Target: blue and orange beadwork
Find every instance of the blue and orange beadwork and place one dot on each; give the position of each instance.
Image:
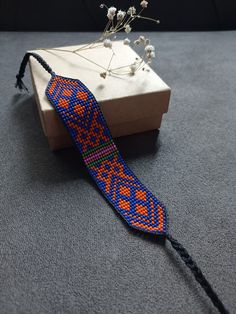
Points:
(83, 118)
(81, 114)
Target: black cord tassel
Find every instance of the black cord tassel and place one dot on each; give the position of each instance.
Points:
(19, 82)
(183, 253)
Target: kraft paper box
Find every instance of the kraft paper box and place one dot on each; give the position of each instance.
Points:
(130, 104)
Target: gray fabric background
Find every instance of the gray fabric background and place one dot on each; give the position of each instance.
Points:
(63, 249)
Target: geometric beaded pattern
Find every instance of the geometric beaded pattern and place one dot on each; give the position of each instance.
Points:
(82, 116)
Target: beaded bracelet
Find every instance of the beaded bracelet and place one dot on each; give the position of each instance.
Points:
(82, 116)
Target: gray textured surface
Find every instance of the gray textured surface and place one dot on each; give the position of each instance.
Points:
(62, 247)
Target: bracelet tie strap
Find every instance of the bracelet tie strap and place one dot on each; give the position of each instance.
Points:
(82, 116)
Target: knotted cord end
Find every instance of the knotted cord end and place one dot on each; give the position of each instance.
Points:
(20, 84)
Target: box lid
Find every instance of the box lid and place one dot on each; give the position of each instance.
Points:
(114, 87)
(131, 97)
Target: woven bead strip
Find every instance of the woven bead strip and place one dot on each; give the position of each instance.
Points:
(82, 116)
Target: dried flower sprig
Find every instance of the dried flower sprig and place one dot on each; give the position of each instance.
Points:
(120, 20)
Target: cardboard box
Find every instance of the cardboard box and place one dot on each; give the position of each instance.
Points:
(130, 104)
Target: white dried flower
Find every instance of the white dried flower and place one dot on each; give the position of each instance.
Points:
(149, 48)
(147, 41)
(152, 54)
(133, 68)
(120, 15)
(131, 11)
(111, 12)
(103, 75)
(126, 41)
(102, 5)
(144, 4)
(142, 39)
(128, 28)
(107, 43)
(137, 42)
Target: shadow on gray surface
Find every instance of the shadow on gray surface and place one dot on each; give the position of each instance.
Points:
(64, 165)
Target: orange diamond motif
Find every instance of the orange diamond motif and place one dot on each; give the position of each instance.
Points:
(67, 92)
(142, 210)
(123, 204)
(64, 103)
(141, 195)
(125, 191)
(82, 95)
(79, 109)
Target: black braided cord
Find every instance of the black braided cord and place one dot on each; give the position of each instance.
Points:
(20, 75)
(191, 264)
